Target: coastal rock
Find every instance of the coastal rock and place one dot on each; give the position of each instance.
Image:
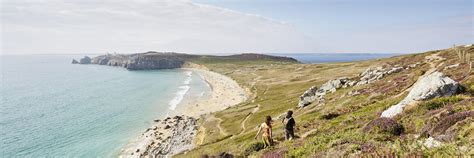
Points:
(174, 136)
(85, 60)
(429, 86)
(167, 60)
(74, 61)
(142, 61)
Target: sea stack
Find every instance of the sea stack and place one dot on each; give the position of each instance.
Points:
(85, 60)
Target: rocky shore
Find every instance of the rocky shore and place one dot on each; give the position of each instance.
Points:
(166, 137)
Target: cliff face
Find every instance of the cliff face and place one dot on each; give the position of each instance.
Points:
(157, 60)
(142, 61)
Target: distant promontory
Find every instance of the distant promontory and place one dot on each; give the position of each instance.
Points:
(165, 60)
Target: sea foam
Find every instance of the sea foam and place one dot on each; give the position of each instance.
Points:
(179, 97)
(181, 92)
(188, 79)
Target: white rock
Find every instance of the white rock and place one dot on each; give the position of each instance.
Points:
(395, 70)
(429, 86)
(432, 143)
(452, 66)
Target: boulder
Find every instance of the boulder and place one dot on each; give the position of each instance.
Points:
(307, 97)
(370, 75)
(376, 73)
(74, 61)
(315, 94)
(428, 87)
(332, 85)
(395, 70)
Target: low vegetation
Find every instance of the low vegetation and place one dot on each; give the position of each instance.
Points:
(345, 125)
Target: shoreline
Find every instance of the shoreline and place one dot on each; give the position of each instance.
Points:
(176, 132)
(225, 92)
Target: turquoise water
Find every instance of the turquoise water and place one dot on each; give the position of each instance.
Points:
(51, 108)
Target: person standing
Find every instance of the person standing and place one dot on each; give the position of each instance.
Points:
(290, 124)
(266, 129)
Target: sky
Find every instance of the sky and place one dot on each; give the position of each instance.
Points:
(233, 26)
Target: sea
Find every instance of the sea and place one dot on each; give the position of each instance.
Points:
(315, 58)
(52, 108)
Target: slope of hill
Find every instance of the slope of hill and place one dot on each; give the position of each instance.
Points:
(346, 120)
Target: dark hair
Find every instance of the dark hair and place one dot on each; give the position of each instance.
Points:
(289, 113)
(268, 120)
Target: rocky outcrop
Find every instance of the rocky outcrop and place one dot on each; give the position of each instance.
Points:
(74, 61)
(157, 60)
(427, 87)
(167, 137)
(143, 61)
(332, 85)
(376, 73)
(85, 60)
(308, 97)
(315, 94)
(370, 75)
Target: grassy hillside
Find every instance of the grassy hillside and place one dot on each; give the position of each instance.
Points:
(336, 128)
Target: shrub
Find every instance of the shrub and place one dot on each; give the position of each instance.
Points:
(384, 125)
(254, 147)
(440, 127)
(329, 116)
(441, 102)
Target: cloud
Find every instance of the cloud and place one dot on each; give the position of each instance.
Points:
(129, 26)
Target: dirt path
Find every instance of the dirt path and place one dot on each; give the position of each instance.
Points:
(218, 125)
(242, 125)
(306, 134)
(200, 137)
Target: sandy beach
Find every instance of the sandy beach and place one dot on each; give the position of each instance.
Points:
(225, 93)
(176, 133)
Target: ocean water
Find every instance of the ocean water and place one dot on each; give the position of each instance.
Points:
(51, 108)
(336, 57)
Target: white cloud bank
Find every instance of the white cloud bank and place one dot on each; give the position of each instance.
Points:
(129, 26)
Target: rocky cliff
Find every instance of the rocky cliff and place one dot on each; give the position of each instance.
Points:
(159, 60)
(141, 61)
